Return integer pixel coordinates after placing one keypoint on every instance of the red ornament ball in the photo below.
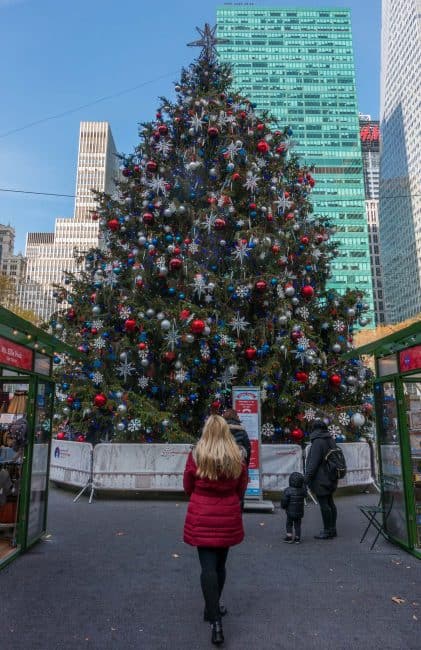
(213, 131)
(100, 400)
(335, 379)
(261, 286)
(151, 166)
(262, 146)
(175, 264)
(169, 356)
(301, 376)
(304, 240)
(276, 248)
(80, 438)
(70, 400)
(95, 216)
(61, 435)
(142, 346)
(296, 335)
(250, 353)
(307, 291)
(163, 129)
(220, 224)
(130, 325)
(148, 218)
(197, 326)
(236, 176)
(184, 314)
(113, 224)
(297, 434)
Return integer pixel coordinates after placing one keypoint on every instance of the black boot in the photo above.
(222, 611)
(333, 533)
(324, 534)
(217, 637)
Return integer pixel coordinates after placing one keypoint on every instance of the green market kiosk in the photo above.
(26, 410)
(397, 393)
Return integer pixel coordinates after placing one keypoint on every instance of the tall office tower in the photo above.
(298, 64)
(7, 241)
(400, 158)
(370, 147)
(50, 255)
(14, 266)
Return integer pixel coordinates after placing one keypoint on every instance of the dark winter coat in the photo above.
(241, 437)
(214, 512)
(293, 497)
(316, 476)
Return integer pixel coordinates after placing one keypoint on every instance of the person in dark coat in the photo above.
(239, 433)
(215, 479)
(293, 503)
(318, 479)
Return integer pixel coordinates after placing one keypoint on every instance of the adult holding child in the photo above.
(215, 478)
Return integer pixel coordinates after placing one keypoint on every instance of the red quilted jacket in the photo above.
(214, 513)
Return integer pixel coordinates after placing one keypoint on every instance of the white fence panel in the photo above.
(71, 462)
(139, 466)
(278, 461)
(358, 463)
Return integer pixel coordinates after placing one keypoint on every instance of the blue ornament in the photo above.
(274, 281)
(253, 214)
(56, 360)
(181, 296)
(230, 288)
(169, 238)
(171, 291)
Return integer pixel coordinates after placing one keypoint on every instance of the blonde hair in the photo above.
(217, 454)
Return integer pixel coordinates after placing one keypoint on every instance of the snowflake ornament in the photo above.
(241, 252)
(282, 203)
(242, 291)
(172, 337)
(126, 369)
(193, 248)
(268, 430)
(125, 313)
(97, 324)
(99, 343)
(163, 147)
(303, 312)
(251, 182)
(344, 419)
(208, 223)
(196, 123)
(199, 285)
(280, 291)
(134, 425)
(309, 414)
(232, 150)
(225, 339)
(239, 323)
(181, 376)
(313, 378)
(97, 378)
(158, 185)
(143, 382)
(334, 430)
(339, 326)
(205, 352)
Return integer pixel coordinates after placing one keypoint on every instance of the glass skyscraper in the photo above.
(400, 158)
(298, 64)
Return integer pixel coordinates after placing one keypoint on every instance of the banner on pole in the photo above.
(246, 401)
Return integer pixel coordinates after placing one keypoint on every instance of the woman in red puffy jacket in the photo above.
(215, 478)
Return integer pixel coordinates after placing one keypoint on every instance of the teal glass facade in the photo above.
(298, 64)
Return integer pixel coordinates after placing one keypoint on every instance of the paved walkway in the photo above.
(116, 575)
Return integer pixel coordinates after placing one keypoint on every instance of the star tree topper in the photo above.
(207, 42)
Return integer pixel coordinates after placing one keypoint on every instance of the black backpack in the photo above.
(335, 463)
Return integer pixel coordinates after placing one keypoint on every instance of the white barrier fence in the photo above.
(143, 467)
(139, 467)
(278, 461)
(71, 462)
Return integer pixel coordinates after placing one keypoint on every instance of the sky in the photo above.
(56, 56)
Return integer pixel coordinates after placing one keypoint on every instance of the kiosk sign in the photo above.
(13, 354)
(246, 401)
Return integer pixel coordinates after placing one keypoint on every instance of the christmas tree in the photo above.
(212, 272)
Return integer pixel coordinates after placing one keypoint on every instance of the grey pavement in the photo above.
(116, 575)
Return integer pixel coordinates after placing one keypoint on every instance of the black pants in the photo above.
(212, 578)
(297, 526)
(329, 512)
